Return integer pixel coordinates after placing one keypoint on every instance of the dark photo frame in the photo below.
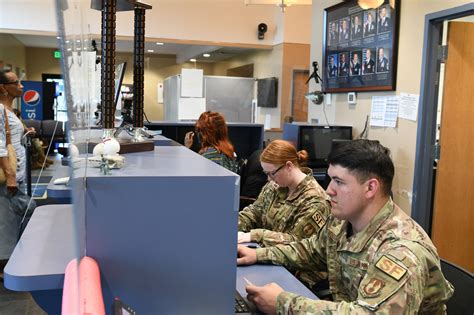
(360, 47)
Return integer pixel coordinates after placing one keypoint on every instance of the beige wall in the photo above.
(12, 52)
(39, 61)
(402, 139)
(157, 69)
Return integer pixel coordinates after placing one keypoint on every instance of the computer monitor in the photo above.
(316, 140)
(267, 92)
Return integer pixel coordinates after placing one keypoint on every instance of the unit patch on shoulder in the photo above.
(372, 288)
(390, 267)
(319, 219)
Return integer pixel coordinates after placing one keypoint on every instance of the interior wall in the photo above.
(225, 21)
(39, 61)
(402, 139)
(12, 52)
(267, 63)
(157, 69)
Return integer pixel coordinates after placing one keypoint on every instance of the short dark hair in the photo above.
(365, 158)
(3, 76)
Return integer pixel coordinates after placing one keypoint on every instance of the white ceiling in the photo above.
(183, 52)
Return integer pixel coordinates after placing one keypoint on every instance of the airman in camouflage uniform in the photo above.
(279, 216)
(387, 265)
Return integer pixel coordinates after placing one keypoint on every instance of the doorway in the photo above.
(299, 104)
(59, 106)
(443, 201)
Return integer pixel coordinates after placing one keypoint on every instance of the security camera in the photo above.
(262, 29)
(316, 97)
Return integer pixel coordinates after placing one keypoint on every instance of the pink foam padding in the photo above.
(89, 300)
(70, 304)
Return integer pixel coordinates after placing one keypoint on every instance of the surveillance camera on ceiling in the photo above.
(262, 29)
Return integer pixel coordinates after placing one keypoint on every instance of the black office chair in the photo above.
(252, 179)
(463, 282)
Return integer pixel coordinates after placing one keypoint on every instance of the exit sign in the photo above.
(57, 54)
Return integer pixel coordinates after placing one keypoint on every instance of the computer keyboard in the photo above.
(241, 305)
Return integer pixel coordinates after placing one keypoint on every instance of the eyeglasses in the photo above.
(17, 82)
(271, 174)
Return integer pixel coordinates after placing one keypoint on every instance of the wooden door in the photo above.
(453, 217)
(299, 104)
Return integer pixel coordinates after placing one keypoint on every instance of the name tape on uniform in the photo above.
(390, 267)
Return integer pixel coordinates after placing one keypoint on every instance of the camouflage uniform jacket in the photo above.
(276, 218)
(390, 267)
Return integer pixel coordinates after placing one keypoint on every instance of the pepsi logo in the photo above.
(31, 98)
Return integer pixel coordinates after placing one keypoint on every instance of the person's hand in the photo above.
(265, 297)
(11, 185)
(31, 131)
(243, 237)
(188, 139)
(246, 256)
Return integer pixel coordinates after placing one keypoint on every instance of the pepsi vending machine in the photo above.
(37, 101)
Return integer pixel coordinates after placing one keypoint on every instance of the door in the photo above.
(299, 104)
(453, 216)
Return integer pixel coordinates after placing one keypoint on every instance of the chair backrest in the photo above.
(252, 178)
(462, 301)
(48, 126)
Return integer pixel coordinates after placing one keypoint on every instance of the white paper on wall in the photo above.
(409, 106)
(377, 113)
(384, 112)
(189, 108)
(192, 82)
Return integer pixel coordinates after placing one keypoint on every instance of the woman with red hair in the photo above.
(211, 131)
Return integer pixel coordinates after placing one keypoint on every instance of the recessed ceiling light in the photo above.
(67, 42)
(78, 40)
(206, 55)
(160, 44)
(58, 37)
(150, 50)
(192, 60)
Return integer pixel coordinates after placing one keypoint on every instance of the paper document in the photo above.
(384, 112)
(409, 106)
(192, 81)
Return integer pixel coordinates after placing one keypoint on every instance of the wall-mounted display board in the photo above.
(360, 47)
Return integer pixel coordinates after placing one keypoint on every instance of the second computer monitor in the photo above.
(316, 140)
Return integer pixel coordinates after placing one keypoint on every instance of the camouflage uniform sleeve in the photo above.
(251, 216)
(312, 218)
(394, 284)
(306, 255)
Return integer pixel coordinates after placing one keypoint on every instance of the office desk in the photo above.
(48, 244)
(264, 274)
(40, 258)
(60, 192)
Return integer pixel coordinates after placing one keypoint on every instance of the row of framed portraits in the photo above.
(358, 62)
(360, 47)
(360, 25)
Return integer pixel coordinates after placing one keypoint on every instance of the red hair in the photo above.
(212, 130)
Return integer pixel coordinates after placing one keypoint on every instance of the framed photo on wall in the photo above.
(360, 47)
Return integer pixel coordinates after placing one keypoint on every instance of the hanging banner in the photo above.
(32, 100)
